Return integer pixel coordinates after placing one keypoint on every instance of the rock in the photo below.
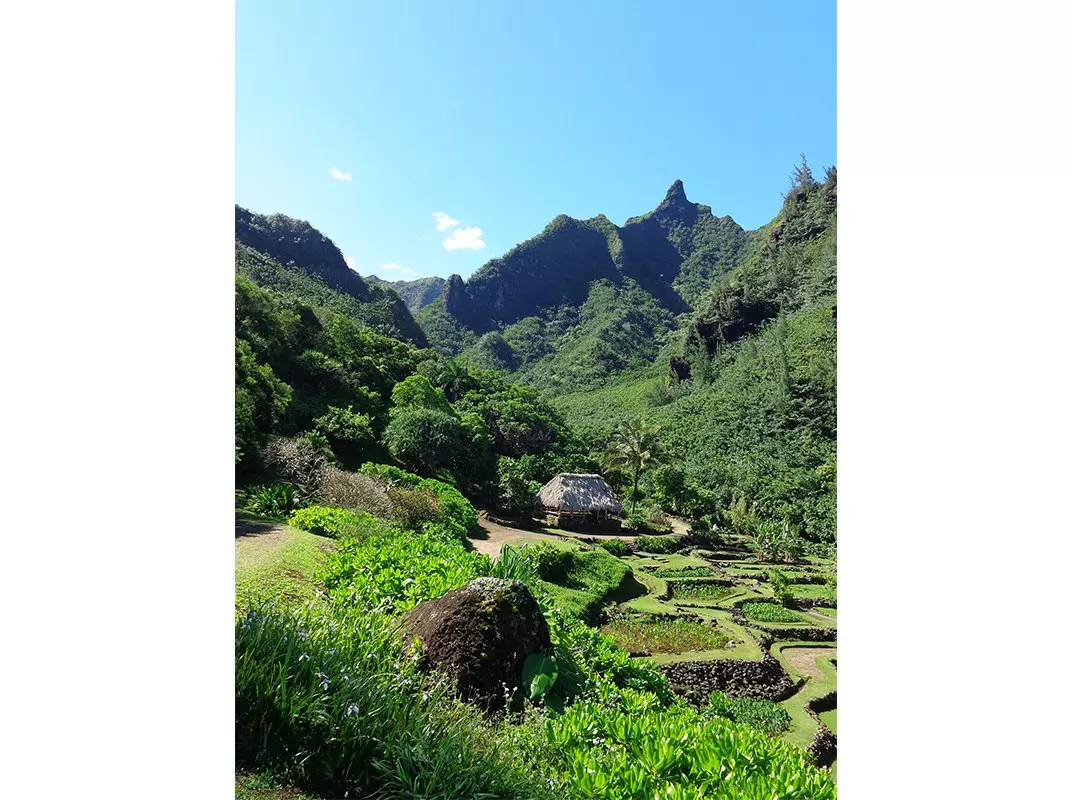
(480, 635)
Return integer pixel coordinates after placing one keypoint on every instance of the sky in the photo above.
(425, 138)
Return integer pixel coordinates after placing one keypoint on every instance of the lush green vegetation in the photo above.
(684, 572)
(699, 590)
(768, 612)
(693, 362)
(579, 581)
(416, 294)
(664, 635)
(760, 714)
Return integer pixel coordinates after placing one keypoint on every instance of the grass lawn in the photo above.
(829, 718)
(276, 562)
(826, 612)
(665, 635)
(803, 728)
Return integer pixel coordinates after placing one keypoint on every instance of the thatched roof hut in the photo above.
(571, 494)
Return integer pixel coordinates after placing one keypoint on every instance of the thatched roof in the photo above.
(571, 491)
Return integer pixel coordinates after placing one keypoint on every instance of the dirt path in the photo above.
(494, 535)
(802, 659)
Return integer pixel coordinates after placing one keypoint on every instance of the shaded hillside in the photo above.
(793, 263)
(292, 256)
(672, 253)
(416, 294)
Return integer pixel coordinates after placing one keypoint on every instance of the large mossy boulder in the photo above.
(480, 635)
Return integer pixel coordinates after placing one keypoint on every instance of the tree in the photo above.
(632, 448)
(423, 438)
(417, 391)
(454, 379)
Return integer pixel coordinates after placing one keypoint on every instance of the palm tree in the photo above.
(632, 448)
(453, 378)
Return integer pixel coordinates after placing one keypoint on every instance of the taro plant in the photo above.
(762, 715)
(274, 501)
(538, 675)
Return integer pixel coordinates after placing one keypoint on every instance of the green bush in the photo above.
(616, 547)
(389, 474)
(658, 544)
(323, 521)
(274, 501)
(762, 715)
(455, 507)
(414, 507)
(334, 703)
(778, 541)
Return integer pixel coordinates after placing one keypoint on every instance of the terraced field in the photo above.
(710, 620)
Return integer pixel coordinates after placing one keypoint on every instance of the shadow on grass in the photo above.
(250, 524)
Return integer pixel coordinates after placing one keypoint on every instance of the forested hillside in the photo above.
(416, 294)
(293, 257)
(742, 380)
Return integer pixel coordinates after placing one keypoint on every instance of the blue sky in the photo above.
(368, 118)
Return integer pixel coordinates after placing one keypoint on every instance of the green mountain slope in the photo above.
(293, 257)
(416, 294)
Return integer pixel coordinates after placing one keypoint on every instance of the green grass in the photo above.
(768, 612)
(260, 786)
(803, 727)
(582, 581)
(829, 718)
(826, 612)
(665, 635)
(277, 564)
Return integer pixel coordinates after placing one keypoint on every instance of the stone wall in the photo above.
(696, 680)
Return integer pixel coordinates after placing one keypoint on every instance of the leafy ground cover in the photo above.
(685, 572)
(697, 590)
(665, 635)
(763, 715)
(769, 612)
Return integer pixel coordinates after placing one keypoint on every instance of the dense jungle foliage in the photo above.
(416, 294)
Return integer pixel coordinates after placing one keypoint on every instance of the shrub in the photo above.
(515, 564)
(414, 507)
(658, 544)
(762, 715)
(769, 612)
(323, 521)
(348, 432)
(656, 519)
(298, 460)
(274, 501)
(741, 518)
(616, 547)
(455, 507)
(517, 484)
(343, 489)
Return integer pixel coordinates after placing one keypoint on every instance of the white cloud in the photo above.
(339, 175)
(350, 262)
(391, 266)
(443, 221)
(465, 239)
